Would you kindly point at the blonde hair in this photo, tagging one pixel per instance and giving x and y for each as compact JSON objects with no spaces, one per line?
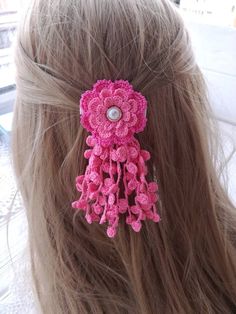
{"x":187,"y":262}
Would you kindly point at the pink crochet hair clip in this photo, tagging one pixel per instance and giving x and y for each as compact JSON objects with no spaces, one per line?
{"x":114,"y":183}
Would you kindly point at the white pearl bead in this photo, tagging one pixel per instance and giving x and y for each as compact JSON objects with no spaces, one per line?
{"x":114,"y":113}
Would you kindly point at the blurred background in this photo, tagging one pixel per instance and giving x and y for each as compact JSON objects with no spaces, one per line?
{"x":212,"y":26}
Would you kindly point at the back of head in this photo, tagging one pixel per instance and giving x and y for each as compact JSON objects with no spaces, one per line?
{"x":184,"y":264}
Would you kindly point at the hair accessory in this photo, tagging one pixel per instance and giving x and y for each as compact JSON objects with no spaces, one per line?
{"x":114,"y":182}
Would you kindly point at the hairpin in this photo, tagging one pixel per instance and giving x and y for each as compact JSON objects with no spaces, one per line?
{"x":114,"y":181}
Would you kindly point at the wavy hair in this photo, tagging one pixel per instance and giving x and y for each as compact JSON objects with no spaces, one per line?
{"x":187,"y":262}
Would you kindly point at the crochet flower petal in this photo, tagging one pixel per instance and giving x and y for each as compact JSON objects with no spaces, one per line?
{"x":85,"y":98}
{"x":108,"y":102}
{"x":94,"y":103}
{"x":126,"y":116}
{"x":141,"y":123}
{"x":100,"y":84}
{"x":133,"y":120}
{"x":109,"y":125}
{"x":123,"y":84}
{"x":105,"y":92}
{"x":84,"y":119}
{"x":122,"y":132}
{"x":101,"y":109}
{"x":125,"y":106}
{"x":121,"y":93}
{"x":104,"y":133}
{"x":93,"y":121}
{"x":120,"y":124}
{"x":100,"y":119}
{"x":133,"y":105}
{"x":117,"y":100}
{"x":141,"y":101}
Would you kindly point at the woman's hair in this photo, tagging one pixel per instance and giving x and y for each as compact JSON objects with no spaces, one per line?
{"x":187,"y":262}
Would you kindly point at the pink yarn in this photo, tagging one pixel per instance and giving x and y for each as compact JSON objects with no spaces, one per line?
{"x":115,"y":158}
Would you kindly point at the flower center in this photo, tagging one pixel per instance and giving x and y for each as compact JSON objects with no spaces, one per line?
{"x":114,"y":113}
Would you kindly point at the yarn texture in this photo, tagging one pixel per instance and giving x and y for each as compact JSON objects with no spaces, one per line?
{"x":114,"y":182}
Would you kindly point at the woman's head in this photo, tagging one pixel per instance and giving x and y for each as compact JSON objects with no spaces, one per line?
{"x":182,"y":265}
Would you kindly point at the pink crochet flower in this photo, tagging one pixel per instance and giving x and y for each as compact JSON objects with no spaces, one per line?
{"x":114,"y":182}
{"x":113,"y":111}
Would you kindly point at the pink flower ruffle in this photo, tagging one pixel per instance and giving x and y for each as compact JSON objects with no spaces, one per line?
{"x":105,"y":94}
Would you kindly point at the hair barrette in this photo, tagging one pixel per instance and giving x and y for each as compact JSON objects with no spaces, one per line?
{"x":114,"y":182}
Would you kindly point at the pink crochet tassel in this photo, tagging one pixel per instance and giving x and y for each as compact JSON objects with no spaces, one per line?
{"x":114,"y":182}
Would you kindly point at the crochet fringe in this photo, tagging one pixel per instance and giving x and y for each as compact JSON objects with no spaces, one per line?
{"x":114,"y":184}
